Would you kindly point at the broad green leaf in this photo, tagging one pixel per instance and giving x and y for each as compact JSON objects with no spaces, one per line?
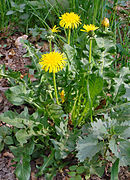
{"x":1,"y":146}
{"x":72,"y":174}
{"x":8,"y":140}
{"x":17,"y":122}
{"x":87,"y":147}
{"x":23,"y":169}
{"x":22,"y":136}
{"x":113,"y":146}
{"x":95,"y":87}
{"x":80,"y":169}
{"x":114,"y":170}
{"x":29,"y":148}
{"x":106,"y":43}
{"x":121,"y":150}
{"x":98,"y":128}
{"x":97,"y":170}
{"x":77,"y":177}
{"x":127,"y":94}
{"x":73,"y":168}
{"x":15,"y":94}
{"x":4,"y":130}
{"x":69,"y":51}
{"x":10,"y":12}
{"x":17,"y":152}
{"x":55,"y":111}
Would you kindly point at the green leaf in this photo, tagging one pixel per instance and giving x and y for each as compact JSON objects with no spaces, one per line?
{"x":69,"y":51}
{"x":73,"y":168}
{"x":1,"y":146}
{"x":87,"y":147}
{"x":95,"y":87}
{"x":47,"y":161}
{"x":29,"y":148}
{"x":99,"y":128}
{"x":121,"y":150}
{"x":17,"y":152}
{"x":4,"y":130}
{"x":17,"y":122}
{"x":77,"y":177}
{"x":22,"y":136}
{"x":10,"y":12}
{"x":97,"y":170}
{"x":8,"y":140}
{"x":23,"y":169}
{"x":80,"y":169}
{"x":72,"y":174}
{"x":114,"y":171}
{"x":106,"y":43}
{"x":113,"y":146}
{"x":15,"y":94}
{"x":56,"y":112}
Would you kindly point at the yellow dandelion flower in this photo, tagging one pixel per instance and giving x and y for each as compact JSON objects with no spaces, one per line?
{"x":53,"y":61}
{"x":62,"y":95}
{"x":105,"y":22}
{"x":70,"y":20}
{"x":90,"y":27}
{"x":55,"y":29}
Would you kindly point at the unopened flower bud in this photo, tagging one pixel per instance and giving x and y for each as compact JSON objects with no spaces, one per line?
{"x":118,"y":150}
{"x":118,"y":143}
{"x":105,"y":22}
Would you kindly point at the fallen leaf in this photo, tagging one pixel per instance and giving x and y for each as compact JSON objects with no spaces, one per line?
{"x":8,"y":154}
{"x":33,"y":177}
{"x":11,"y":53}
{"x":18,"y":43}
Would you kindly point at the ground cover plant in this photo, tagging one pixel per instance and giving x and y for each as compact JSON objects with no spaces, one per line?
{"x":79,"y":96}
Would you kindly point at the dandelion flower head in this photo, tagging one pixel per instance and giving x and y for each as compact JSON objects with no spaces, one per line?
{"x":88,"y":28}
{"x":62,"y":95}
{"x":70,"y":20}
{"x":53,"y":62}
{"x":105,"y":22}
{"x":55,"y":29}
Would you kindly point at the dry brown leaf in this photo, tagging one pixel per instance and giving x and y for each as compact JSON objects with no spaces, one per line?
{"x":8,"y":154}
{"x":11,"y":53}
{"x":18,"y":40}
{"x":33,"y":177}
{"x":39,"y":161}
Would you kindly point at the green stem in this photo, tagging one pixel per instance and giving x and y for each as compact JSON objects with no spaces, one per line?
{"x":102,"y":60}
{"x":90,"y":51}
{"x":101,"y":12}
{"x":114,"y":8}
{"x":90,"y":101}
{"x":69,"y":36}
{"x":54,"y":80}
{"x":69,"y":44}
{"x":50,"y":45}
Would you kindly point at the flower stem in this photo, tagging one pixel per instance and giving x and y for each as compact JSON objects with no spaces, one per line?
{"x":50,"y":45}
{"x":114,"y":13}
{"x":90,"y":100}
{"x":102,"y":60}
{"x":54,"y":80}
{"x":90,"y":51}
{"x":69,"y":44}
{"x":69,"y":36}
